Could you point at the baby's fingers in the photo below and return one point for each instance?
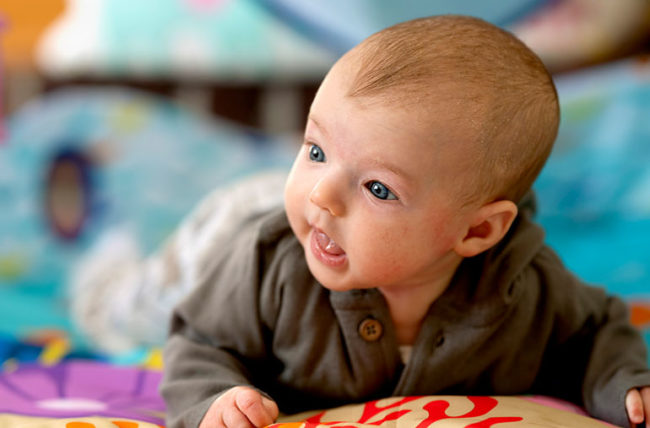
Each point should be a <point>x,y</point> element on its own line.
<point>634,406</point>
<point>637,404</point>
<point>259,410</point>
<point>271,408</point>
<point>645,397</point>
<point>232,417</point>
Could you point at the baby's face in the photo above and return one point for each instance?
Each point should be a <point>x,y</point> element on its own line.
<point>366,196</point>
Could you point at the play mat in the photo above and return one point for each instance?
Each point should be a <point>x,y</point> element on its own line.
<point>80,164</point>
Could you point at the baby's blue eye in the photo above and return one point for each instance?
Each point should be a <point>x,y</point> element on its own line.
<point>316,153</point>
<point>380,191</point>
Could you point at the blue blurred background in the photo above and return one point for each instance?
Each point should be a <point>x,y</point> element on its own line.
<point>123,115</point>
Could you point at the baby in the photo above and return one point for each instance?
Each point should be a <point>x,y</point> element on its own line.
<point>405,261</point>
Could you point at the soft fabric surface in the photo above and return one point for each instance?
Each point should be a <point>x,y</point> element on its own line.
<point>48,386</point>
<point>420,412</point>
<point>17,421</point>
<point>448,411</point>
<point>82,388</point>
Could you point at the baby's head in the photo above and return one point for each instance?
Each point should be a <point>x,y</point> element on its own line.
<point>418,145</point>
<point>501,103</point>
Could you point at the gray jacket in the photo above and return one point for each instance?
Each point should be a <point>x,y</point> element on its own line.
<point>513,321</point>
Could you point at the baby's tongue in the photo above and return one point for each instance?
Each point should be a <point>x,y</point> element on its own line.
<point>328,245</point>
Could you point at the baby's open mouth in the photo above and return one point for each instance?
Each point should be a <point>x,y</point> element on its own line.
<point>326,250</point>
<point>327,244</point>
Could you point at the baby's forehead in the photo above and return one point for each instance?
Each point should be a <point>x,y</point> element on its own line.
<point>443,84</point>
<point>445,128</point>
<point>439,109</point>
<point>438,114</point>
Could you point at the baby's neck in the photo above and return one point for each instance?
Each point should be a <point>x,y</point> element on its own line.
<point>408,307</point>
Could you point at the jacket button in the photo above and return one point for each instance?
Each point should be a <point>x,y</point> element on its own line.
<point>440,339</point>
<point>370,330</point>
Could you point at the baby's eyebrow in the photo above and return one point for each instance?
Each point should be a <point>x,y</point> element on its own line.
<point>393,168</point>
<point>321,128</point>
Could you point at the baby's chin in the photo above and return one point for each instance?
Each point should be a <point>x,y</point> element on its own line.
<point>340,281</point>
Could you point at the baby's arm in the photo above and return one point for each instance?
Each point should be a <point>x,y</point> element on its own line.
<point>637,404</point>
<point>616,364</point>
<point>595,354</point>
<point>203,385</point>
<point>240,407</point>
<point>220,336</point>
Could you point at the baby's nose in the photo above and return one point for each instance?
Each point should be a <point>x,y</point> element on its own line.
<point>327,194</point>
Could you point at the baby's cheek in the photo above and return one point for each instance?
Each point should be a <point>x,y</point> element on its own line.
<point>382,260</point>
<point>296,219</point>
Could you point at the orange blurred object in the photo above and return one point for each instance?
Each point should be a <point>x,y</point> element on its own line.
<point>640,314</point>
<point>25,21</point>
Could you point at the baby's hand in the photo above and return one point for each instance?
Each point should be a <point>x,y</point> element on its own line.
<point>637,404</point>
<point>240,407</point>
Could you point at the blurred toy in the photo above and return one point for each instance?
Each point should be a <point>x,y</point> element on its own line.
<point>21,30</point>
<point>24,27</point>
<point>640,313</point>
<point>339,24</point>
<point>2,87</point>
<point>568,34</point>
<point>180,39</point>
<point>81,162</point>
<point>122,297</point>
<point>594,193</point>
<point>46,347</point>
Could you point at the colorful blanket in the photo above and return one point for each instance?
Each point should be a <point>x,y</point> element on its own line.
<point>91,394</point>
<point>45,384</point>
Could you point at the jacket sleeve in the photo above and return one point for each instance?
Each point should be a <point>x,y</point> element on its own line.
<point>594,347</point>
<point>203,357</point>
<point>617,363</point>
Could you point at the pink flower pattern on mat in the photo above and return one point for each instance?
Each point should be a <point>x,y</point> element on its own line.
<point>82,388</point>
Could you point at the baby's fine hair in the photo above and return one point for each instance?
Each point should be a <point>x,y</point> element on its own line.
<point>502,92</point>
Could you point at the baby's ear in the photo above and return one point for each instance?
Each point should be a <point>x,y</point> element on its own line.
<point>488,225</point>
